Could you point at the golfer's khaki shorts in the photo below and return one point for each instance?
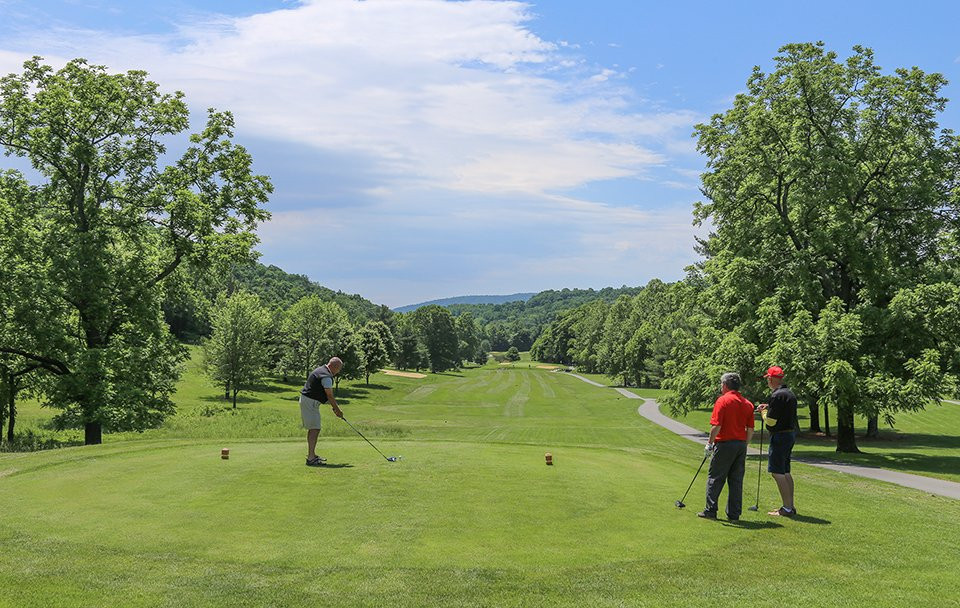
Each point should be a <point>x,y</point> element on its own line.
<point>310,412</point>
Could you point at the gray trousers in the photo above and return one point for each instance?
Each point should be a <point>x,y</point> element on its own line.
<point>727,466</point>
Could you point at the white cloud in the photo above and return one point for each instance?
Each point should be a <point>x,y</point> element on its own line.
<point>452,94</point>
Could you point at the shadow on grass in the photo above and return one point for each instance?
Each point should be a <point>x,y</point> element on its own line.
<point>336,465</point>
<point>240,399</point>
<point>906,462</point>
<point>889,439</point>
<point>273,388</point>
<point>806,519</point>
<point>752,525</point>
<point>30,441</point>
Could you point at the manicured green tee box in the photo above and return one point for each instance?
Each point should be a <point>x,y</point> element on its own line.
<point>470,517</point>
<point>454,523</point>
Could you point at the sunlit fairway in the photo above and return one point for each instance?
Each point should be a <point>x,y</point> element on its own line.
<point>470,517</point>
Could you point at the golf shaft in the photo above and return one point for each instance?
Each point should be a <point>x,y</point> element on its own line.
<point>364,438</point>
<point>759,463</point>
<point>694,478</point>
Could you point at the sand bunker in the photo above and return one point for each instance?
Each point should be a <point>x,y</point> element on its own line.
<point>391,372</point>
<point>548,367</point>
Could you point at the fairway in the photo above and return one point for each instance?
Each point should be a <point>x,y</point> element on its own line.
<point>470,517</point>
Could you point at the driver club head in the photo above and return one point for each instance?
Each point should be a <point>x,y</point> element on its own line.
<point>679,504</point>
<point>752,508</point>
<point>394,458</point>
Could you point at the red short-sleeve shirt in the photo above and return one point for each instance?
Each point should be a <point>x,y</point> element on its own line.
<point>734,415</point>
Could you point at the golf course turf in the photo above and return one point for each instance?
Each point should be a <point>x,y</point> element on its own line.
<point>470,517</point>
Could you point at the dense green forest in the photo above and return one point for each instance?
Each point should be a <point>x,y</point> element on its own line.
<point>447,302</point>
<point>187,311</point>
<point>519,323</point>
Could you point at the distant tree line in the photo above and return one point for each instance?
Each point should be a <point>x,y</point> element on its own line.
<point>518,324</point>
<point>250,341</point>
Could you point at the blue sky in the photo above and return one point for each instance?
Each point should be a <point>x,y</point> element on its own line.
<point>423,149</point>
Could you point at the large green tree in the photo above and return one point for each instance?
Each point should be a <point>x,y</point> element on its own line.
<point>435,326</point>
<point>618,329</point>
<point>375,353</point>
<point>116,224</point>
<point>311,333</point>
<point>235,355</point>
<point>829,180</point>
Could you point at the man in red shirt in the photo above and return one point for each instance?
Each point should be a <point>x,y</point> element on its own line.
<point>731,429</point>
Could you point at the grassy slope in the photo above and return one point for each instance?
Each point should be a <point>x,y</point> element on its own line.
<point>470,517</point>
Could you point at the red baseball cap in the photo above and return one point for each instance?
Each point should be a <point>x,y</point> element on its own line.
<point>774,372</point>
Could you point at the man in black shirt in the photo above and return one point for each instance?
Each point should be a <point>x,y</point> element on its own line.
<point>317,390</point>
<point>780,416</point>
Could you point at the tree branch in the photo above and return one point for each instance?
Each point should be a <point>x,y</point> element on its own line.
<point>54,365</point>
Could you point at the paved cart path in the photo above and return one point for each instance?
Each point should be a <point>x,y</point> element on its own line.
<point>951,489</point>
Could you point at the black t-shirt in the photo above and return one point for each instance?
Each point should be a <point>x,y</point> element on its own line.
<point>314,386</point>
<point>783,409</point>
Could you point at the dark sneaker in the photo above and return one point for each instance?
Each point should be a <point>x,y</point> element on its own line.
<point>783,512</point>
<point>707,514</point>
<point>316,462</point>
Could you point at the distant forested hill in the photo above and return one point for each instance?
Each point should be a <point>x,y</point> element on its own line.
<point>542,307</point>
<point>280,289</point>
<point>188,302</point>
<point>447,302</point>
<point>519,323</point>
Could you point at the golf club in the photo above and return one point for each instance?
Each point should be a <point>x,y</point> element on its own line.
<point>679,503</point>
<point>756,506</point>
<point>388,458</point>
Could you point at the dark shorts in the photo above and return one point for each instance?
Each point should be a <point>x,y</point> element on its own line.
<point>781,445</point>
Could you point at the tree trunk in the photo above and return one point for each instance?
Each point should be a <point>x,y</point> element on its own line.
<point>873,427</point>
<point>368,378</point>
<point>11,410</point>
<point>815,418</point>
<point>826,420</point>
<point>846,435</point>
<point>226,392</point>
<point>92,433</point>
<point>235,399</point>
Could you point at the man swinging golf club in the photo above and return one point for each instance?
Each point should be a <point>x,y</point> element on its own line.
<point>780,417</point>
<point>317,390</point>
<point>731,429</point>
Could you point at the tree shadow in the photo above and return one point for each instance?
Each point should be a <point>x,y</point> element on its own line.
<point>270,388</point>
<point>906,462</point>
<point>890,439</point>
<point>241,399</point>
<point>375,387</point>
